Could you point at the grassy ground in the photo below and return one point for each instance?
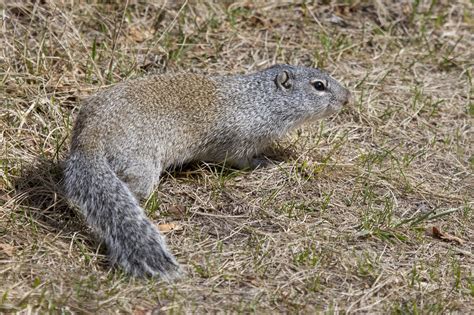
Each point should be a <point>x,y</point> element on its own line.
<point>348,222</point>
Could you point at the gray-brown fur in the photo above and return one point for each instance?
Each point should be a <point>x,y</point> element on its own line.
<point>126,136</point>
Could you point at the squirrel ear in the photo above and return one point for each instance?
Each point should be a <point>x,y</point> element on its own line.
<point>283,80</point>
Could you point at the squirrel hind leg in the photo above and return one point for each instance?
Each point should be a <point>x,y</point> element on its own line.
<point>140,178</point>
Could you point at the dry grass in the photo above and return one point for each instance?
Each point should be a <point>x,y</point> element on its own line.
<point>339,226</point>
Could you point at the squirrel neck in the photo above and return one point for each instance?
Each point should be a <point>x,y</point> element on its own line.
<point>254,106</point>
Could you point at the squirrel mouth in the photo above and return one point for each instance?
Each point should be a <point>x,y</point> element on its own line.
<point>332,109</point>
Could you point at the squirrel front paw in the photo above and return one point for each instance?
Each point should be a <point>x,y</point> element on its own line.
<point>249,163</point>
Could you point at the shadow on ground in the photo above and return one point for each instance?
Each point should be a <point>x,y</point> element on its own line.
<point>39,195</point>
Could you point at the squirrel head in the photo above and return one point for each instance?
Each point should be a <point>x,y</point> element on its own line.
<point>310,91</point>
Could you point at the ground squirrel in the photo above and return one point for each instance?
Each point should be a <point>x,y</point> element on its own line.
<point>126,136</point>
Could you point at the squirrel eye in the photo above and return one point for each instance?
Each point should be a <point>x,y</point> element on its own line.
<point>318,85</point>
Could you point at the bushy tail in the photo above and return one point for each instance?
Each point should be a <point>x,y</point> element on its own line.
<point>113,212</point>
